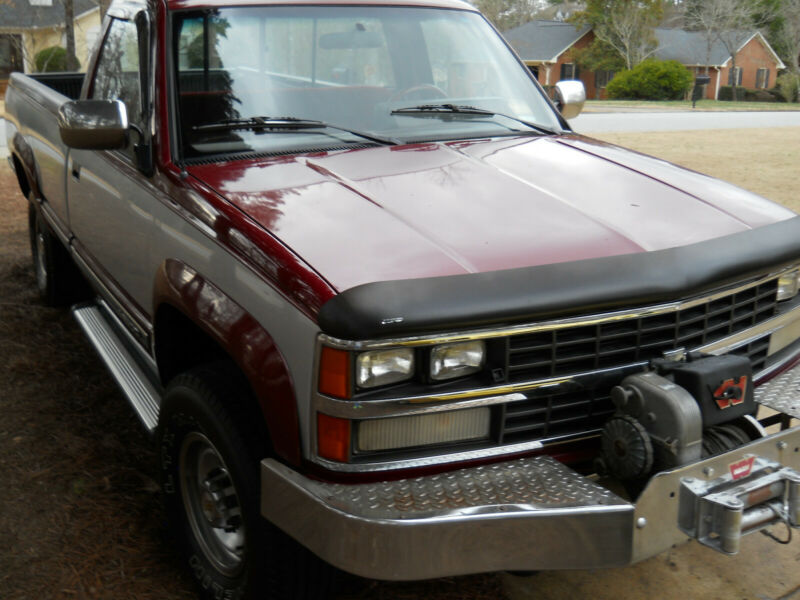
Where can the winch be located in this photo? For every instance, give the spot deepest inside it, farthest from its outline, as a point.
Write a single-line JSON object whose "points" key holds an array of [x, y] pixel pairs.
{"points": [[677, 412]]}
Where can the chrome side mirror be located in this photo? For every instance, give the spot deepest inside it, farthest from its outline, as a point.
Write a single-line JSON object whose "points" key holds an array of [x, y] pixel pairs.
{"points": [[93, 124], [570, 98]]}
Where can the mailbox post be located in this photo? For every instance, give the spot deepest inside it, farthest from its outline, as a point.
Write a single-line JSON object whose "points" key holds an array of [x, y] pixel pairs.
{"points": [[697, 91]]}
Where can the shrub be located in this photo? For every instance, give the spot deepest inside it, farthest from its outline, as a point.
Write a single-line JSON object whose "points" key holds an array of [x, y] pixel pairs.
{"points": [[652, 80], [745, 94], [776, 95], [787, 86], [51, 59]]}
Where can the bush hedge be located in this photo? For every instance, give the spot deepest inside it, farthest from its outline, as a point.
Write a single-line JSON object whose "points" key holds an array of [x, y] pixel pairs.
{"points": [[50, 60], [787, 87], [747, 95], [652, 80]]}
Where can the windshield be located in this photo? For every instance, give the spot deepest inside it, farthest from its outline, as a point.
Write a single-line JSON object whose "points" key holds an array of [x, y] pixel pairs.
{"points": [[249, 71]]}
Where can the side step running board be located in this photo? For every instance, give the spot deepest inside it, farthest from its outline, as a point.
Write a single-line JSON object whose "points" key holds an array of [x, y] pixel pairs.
{"points": [[140, 390]]}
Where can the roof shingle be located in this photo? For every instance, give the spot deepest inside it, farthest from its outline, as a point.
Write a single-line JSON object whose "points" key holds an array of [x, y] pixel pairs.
{"points": [[543, 40]]}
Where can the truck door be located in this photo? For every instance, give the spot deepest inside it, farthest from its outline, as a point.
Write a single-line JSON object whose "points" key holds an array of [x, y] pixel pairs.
{"points": [[109, 199]]}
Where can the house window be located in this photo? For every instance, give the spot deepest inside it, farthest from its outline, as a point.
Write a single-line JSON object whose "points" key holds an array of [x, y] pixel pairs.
{"points": [[762, 78], [569, 71], [601, 78], [738, 71], [534, 71]]}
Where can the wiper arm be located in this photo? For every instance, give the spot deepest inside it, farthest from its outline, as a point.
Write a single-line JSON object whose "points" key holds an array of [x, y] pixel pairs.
{"points": [[438, 110], [286, 124], [433, 109]]}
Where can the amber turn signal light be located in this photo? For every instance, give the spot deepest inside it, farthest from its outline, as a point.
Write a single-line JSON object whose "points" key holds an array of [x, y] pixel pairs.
{"points": [[333, 438], [334, 372]]}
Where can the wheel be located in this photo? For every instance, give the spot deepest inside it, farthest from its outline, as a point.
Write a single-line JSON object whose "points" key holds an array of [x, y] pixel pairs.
{"points": [[57, 278], [210, 443], [418, 92]]}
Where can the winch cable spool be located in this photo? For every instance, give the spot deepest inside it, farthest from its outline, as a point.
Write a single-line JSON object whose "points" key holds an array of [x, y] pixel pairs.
{"points": [[723, 438]]}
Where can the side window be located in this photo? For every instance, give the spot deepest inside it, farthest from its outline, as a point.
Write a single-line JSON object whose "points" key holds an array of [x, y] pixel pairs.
{"points": [[117, 74]]}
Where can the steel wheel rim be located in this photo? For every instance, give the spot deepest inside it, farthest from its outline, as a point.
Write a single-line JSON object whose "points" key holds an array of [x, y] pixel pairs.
{"points": [[212, 504], [41, 267]]}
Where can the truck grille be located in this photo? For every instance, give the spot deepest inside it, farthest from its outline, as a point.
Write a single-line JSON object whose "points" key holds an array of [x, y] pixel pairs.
{"points": [[616, 344], [607, 345]]}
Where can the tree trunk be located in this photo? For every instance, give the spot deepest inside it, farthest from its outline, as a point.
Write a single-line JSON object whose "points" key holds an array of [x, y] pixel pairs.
{"points": [[69, 28], [734, 78]]}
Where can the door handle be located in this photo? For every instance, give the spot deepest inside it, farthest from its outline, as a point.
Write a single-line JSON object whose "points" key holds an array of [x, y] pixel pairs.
{"points": [[76, 171]]}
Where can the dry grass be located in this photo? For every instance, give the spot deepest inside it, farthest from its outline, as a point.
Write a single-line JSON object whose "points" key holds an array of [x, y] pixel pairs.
{"points": [[686, 105], [764, 161]]}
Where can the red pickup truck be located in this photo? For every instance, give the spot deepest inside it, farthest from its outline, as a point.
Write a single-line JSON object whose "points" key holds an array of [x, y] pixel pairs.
{"points": [[383, 310]]}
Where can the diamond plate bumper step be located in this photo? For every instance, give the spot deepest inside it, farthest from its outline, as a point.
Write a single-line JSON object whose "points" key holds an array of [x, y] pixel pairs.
{"points": [[540, 483], [485, 518], [782, 393]]}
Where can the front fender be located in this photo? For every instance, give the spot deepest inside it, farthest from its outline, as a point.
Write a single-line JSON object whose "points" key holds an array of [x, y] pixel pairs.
{"points": [[244, 340]]}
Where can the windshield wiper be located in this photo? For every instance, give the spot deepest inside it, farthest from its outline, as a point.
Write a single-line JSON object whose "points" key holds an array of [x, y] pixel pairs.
{"points": [[440, 110], [286, 124]]}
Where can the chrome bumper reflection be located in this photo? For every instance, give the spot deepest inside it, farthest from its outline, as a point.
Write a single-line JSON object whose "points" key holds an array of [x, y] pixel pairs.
{"points": [[527, 514]]}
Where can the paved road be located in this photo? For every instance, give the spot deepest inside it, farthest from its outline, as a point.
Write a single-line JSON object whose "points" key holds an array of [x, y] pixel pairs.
{"points": [[677, 121]]}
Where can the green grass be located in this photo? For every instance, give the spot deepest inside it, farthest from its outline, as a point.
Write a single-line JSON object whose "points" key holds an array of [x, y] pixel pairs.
{"points": [[678, 105]]}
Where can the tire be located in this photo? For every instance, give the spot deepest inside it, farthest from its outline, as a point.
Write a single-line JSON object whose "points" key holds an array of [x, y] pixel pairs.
{"points": [[57, 278], [210, 446]]}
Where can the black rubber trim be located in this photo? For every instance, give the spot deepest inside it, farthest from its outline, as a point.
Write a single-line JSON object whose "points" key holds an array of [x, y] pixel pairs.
{"points": [[461, 302]]}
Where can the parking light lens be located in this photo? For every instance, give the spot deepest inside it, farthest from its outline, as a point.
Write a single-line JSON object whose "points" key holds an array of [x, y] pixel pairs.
{"points": [[333, 438], [457, 360], [334, 372], [423, 430], [382, 367]]}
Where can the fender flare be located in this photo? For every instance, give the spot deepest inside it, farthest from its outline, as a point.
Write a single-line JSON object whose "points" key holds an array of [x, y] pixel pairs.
{"points": [[249, 345], [22, 152]]}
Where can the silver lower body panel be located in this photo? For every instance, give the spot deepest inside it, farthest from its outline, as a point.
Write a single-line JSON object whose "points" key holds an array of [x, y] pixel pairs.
{"points": [[525, 514]]}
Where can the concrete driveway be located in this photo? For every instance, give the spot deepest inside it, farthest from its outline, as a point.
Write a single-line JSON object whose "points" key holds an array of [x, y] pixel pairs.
{"points": [[681, 121]]}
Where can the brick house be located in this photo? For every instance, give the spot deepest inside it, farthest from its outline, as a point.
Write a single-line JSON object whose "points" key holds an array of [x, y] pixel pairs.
{"points": [[757, 65], [545, 47]]}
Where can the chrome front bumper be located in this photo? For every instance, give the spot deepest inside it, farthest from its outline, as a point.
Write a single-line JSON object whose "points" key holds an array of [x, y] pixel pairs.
{"points": [[526, 514]]}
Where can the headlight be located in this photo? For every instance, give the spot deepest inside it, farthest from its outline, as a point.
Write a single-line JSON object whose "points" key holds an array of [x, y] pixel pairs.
{"points": [[455, 360], [382, 367], [788, 285]]}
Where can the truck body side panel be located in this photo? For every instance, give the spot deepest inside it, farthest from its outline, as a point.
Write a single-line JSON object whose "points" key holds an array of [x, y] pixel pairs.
{"points": [[32, 107]]}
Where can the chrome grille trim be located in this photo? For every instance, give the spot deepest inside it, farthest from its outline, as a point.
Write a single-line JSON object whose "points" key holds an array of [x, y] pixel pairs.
{"points": [[548, 325], [516, 395]]}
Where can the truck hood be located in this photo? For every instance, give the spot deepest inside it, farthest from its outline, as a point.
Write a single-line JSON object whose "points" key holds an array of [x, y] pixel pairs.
{"points": [[425, 210]]}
